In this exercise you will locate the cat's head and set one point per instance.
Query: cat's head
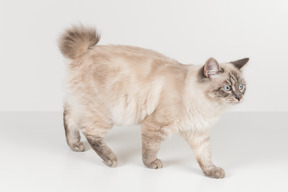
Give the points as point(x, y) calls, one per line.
point(224, 82)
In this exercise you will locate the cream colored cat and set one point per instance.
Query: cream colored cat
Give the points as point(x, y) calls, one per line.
point(124, 85)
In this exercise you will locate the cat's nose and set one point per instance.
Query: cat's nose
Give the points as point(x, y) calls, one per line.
point(239, 98)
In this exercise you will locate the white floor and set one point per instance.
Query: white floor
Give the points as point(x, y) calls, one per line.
point(251, 147)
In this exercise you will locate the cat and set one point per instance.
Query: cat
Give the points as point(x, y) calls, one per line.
point(123, 85)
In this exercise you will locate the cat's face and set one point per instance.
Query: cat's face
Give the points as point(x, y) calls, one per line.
point(225, 82)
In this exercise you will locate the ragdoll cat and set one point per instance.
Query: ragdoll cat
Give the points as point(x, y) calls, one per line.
point(123, 85)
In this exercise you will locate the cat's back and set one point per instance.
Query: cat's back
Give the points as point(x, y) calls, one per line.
point(129, 58)
point(127, 51)
point(119, 67)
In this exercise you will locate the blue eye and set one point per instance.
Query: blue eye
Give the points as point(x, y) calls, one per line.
point(227, 87)
point(241, 87)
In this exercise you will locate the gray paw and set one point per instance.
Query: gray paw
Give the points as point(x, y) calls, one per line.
point(78, 147)
point(215, 172)
point(111, 160)
point(157, 164)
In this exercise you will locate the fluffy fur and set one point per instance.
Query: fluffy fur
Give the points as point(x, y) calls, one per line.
point(124, 85)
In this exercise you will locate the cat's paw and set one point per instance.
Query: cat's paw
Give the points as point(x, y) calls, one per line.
point(215, 172)
point(157, 164)
point(78, 147)
point(111, 160)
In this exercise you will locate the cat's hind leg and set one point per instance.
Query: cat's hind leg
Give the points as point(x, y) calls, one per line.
point(94, 128)
point(72, 133)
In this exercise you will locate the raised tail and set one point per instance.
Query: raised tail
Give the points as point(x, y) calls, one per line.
point(77, 40)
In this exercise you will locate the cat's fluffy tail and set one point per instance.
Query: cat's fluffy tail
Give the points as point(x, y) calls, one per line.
point(77, 40)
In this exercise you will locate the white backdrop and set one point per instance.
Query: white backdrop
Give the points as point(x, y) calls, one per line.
point(190, 31)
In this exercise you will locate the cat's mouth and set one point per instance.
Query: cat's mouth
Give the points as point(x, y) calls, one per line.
point(234, 101)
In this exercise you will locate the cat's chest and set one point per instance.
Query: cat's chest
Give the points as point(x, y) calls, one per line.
point(199, 119)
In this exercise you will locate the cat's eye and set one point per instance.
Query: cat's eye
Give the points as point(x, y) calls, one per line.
point(241, 87)
point(227, 87)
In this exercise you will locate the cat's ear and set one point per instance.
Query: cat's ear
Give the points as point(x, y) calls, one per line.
point(240, 63)
point(211, 68)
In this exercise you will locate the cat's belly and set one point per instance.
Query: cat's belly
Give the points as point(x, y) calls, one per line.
point(132, 108)
point(129, 115)
point(131, 111)
point(126, 117)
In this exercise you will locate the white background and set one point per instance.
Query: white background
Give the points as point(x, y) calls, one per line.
point(32, 68)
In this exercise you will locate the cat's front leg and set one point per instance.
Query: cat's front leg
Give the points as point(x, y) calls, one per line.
point(200, 143)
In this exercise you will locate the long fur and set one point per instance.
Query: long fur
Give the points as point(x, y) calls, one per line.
point(124, 85)
point(77, 40)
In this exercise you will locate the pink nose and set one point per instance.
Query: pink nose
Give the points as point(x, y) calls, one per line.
point(239, 98)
